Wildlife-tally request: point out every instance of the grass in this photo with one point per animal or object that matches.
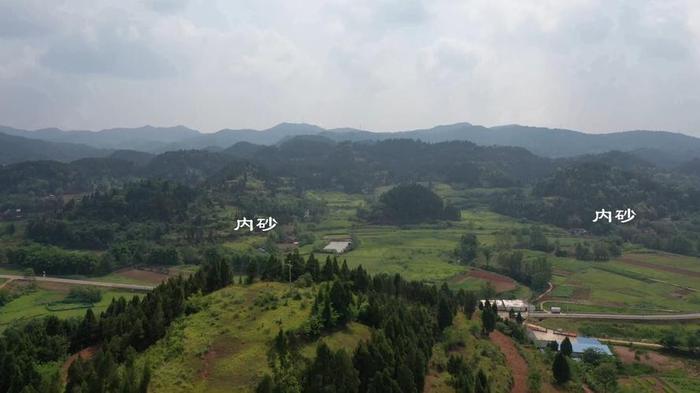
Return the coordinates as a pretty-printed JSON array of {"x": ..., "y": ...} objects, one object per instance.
[
  {"x": 460, "y": 339},
  {"x": 37, "y": 303},
  {"x": 636, "y": 331},
  {"x": 617, "y": 286},
  {"x": 225, "y": 344}
]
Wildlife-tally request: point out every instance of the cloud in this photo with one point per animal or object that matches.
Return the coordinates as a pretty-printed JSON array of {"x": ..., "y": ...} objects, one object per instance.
[{"x": 389, "y": 64}]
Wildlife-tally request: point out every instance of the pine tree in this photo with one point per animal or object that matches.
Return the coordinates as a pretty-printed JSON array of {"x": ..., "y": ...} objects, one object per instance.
[
  {"x": 482, "y": 383},
  {"x": 566, "y": 348},
  {"x": 341, "y": 300},
  {"x": 488, "y": 320},
  {"x": 404, "y": 378},
  {"x": 560, "y": 369},
  {"x": 470, "y": 301},
  {"x": 444, "y": 314},
  {"x": 313, "y": 268},
  {"x": 383, "y": 383},
  {"x": 327, "y": 272}
]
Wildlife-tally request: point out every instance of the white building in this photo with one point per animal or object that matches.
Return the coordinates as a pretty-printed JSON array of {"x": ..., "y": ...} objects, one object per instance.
[{"x": 506, "y": 305}]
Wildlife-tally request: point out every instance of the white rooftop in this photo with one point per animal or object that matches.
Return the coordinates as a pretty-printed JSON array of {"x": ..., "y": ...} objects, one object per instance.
[{"x": 337, "y": 246}]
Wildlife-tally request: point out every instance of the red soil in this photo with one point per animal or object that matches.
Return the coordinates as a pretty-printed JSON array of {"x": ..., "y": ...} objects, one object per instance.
[
  {"x": 502, "y": 283},
  {"x": 516, "y": 362}
]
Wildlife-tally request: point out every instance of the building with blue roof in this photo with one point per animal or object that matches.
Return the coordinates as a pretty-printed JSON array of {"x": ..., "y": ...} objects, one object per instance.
[{"x": 580, "y": 344}]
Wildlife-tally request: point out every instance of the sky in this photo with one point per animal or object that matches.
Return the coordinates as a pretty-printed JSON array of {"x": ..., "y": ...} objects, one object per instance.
[{"x": 381, "y": 65}]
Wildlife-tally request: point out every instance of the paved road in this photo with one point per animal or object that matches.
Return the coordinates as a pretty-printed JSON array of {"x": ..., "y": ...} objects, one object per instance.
[
  {"x": 630, "y": 317},
  {"x": 81, "y": 282}
]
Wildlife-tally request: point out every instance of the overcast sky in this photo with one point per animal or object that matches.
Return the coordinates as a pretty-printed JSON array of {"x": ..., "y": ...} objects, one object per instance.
[{"x": 382, "y": 65}]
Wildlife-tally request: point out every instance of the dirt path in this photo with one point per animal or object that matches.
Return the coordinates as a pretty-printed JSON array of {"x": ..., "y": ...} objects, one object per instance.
[
  {"x": 2, "y": 285},
  {"x": 517, "y": 364},
  {"x": 86, "y": 353},
  {"x": 79, "y": 282}
]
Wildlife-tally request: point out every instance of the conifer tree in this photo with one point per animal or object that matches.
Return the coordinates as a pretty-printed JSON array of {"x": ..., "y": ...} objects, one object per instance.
[
  {"x": 566, "y": 348},
  {"x": 560, "y": 369}
]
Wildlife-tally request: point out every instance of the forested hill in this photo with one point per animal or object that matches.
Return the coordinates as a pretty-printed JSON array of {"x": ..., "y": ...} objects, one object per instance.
[
  {"x": 542, "y": 141},
  {"x": 16, "y": 149},
  {"x": 310, "y": 162},
  {"x": 656, "y": 146},
  {"x": 317, "y": 162}
]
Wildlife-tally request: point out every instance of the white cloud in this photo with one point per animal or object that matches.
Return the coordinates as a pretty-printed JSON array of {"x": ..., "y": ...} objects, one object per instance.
[{"x": 387, "y": 65}]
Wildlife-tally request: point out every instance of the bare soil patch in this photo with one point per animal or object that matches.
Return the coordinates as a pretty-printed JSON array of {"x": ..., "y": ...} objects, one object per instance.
[
  {"x": 650, "y": 358},
  {"x": 501, "y": 283},
  {"x": 84, "y": 354},
  {"x": 662, "y": 268},
  {"x": 517, "y": 364},
  {"x": 54, "y": 286},
  {"x": 143, "y": 275}
]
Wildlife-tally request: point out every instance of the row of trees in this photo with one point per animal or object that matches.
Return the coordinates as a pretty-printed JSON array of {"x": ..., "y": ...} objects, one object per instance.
[{"x": 53, "y": 260}]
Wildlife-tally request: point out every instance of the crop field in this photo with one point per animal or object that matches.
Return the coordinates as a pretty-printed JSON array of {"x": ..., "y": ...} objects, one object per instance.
[
  {"x": 415, "y": 251},
  {"x": 47, "y": 300},
  {"x": 634, "y": 283}
]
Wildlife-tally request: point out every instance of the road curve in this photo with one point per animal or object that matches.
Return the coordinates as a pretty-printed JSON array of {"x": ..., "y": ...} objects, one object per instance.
[
  {"x": 68, "y": 281},
  {"x": 627, "y": 317}
]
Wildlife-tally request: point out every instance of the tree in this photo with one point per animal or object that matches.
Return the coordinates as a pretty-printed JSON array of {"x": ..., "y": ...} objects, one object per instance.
[
  {"x": 488, "y": 319},
  {"x": 383, "y": 383},
  {"x": 331, "y": 373},
  {"x": 534, "y": 381},
  {"x": 488, "y": 290},
  {"x": 470, "y": 302},
  {"x": 341, "y": 299},
  {"x": 251, "y": 272},
  {"x": 482, "y": 383},
  {"x": 468, "y": 248},
  {"x": 566, "y": 348},
  {"x": 670, "y": 340},
  {"x": 605, "y": 377},
  {"x": 592, "y": 356},
  {"x": 444, "y": 314},
  {"x": 560, "y": 369}
]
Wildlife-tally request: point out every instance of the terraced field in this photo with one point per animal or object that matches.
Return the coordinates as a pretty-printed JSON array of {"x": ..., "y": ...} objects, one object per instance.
[{"x": 639, "y": 282}]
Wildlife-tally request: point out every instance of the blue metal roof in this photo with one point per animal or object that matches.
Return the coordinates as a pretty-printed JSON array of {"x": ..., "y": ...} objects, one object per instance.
[{"x": 582, "y": 343}]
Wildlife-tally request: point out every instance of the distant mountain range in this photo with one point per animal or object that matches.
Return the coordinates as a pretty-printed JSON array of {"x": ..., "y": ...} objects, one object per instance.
[{"x": 659, "y": 147}]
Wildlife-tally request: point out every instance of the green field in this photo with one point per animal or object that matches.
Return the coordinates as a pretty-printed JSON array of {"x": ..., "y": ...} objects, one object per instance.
[
  {"x": 36, "y": 303},
  {"x": 417, "y": 252},
  {"x": 619, "y": 286}
]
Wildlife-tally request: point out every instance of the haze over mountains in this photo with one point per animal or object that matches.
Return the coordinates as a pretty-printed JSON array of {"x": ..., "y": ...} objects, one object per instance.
[{"x": 660, "y": 147}]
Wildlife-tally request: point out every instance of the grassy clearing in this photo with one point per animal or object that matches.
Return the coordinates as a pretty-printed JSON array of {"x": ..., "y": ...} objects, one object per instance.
[
  {"x": 37, "y": 303},
  {"x": 224, "y": 346},
  {"x": 462, "y": 338}
]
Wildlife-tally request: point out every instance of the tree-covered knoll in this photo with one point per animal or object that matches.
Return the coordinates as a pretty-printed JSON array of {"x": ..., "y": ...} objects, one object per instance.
[{"x": 410, "y": 204}]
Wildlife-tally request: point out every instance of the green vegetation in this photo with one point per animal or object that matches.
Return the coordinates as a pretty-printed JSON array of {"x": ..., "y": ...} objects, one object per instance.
[{"x": 433, "y": 228}]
